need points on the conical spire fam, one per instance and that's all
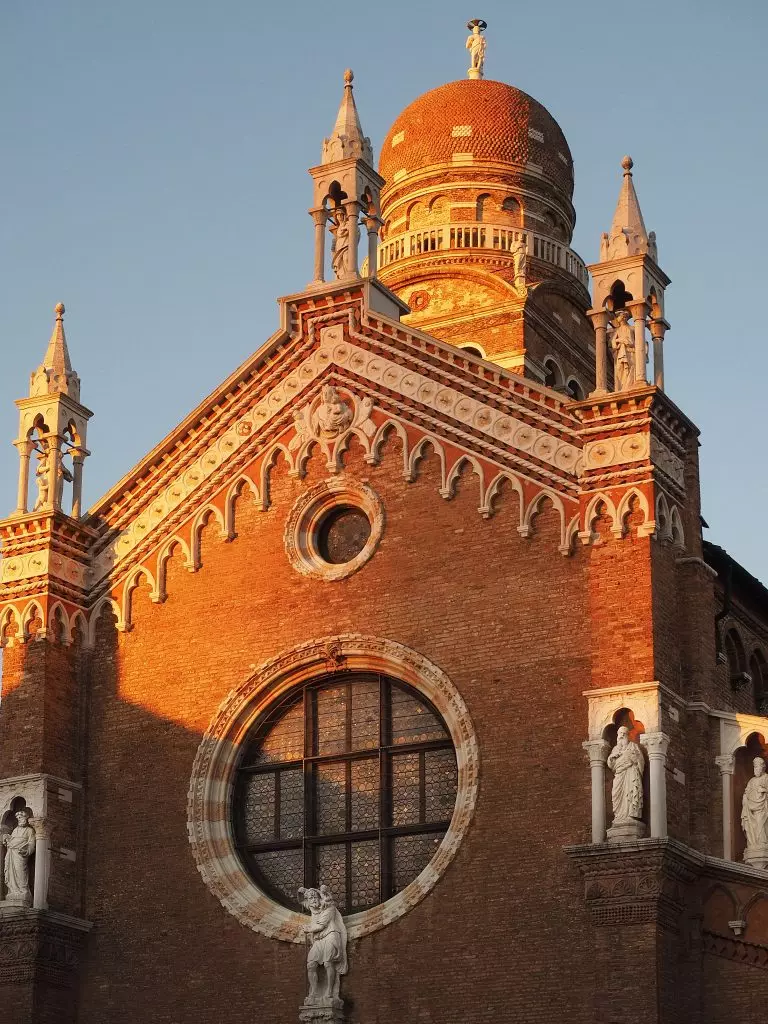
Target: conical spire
(55, 374)
(628, 236)
(347, 140)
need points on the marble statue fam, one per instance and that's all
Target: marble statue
(754, 807)
(604, 247)
(476, 46)
(341, 231)
(519, 260)
(653, 248)
(333, 414)
(42, 479)
(19, 847)
(328, 950)
(626, 762)
(623, 347)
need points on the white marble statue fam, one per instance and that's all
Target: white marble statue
(626, 762)
(19, 847)
(623, 347)
(519, 260)
(653, 248)
(333, 414)
(754, 807)
(341, 231)
(329, 945)
(43, 481)
(476, 46)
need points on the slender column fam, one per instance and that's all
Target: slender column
(3, 889)
(25, 451)
(599, 318)
(352, 207)
(726, 764)
(659, 327)
(639, 311)
(320, 217)
(656, 743)
(597, 751)
(78, 458)
(54, 460)
(42, 863)
(372, 223)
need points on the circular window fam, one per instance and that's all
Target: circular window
(333, 529)
(342, 534)
(349, 759)
(350, 783)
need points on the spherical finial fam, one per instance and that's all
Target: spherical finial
(627, 163)
(348, 77)
(59, 310)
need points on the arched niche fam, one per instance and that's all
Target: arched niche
(626, 717)
(743, 770)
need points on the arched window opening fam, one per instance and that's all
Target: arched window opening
(482, 207)
(350, 783)
(736, 660)
(553, 377)
(758, 669)
(574, 389)
(619, 297)
(473, 350)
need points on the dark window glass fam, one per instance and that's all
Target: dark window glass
(351, 783)
(343, 534)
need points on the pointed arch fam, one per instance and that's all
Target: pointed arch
(78, 623)
(267, 465)
(526, 527)
(588, 535)
(32, 611)
(663, 517)
(676, 527)
(569, 538)
(417, 454)
(64, 634)
(133, 581)
(236, 489)
(342, 443)
(448, 490)
(166, 554)
(10, 614)
(493, 490)
(645, 529)
(380, 437)
(200, 521)
(96, 611)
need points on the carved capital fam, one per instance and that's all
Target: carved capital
(657, 744)
(659, 327)
(41, 827)
(726, 763)
(599, 318)
(639, 309)
(597, 751)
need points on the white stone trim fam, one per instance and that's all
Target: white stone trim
(304, 518)
(643, 699)
(210, 790)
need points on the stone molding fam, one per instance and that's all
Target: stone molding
(643, 699)
(44, 562)
(616, 451)
(305, 517)
(210, 790)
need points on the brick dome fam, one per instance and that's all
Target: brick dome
(491, 120)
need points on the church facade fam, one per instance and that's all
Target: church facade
(397, 683)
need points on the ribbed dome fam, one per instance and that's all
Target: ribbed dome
(491, 120)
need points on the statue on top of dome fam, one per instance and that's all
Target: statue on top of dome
(476, 46)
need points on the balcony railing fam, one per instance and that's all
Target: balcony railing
(445, 237)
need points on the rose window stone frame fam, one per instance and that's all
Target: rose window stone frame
(209, 809)
(300, 536)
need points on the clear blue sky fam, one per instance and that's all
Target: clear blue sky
(153, 177)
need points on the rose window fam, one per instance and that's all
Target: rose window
(350, 782)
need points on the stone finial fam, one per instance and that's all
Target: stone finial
(347, 141)
(476, 46)
(55, 374)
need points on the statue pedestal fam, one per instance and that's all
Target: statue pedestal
(756, 857)
(626, 831)
(16, 900)
(322, 1010)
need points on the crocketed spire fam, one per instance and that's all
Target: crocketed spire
(347, 140)
(628, 236)
(55, 374)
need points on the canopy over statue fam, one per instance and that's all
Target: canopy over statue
(476, 46)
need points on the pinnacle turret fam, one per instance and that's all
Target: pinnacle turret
(628, 235)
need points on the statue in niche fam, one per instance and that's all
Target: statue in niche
(623, 347)
(43, 480)
(476, 45)
(19, 847)
(341, 229)
(519, 260)
(626, 762)
(754, 807)
(604, 247)
(328, 950)
(653, 249)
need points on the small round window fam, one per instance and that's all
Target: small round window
(352, 784)
(342, 534)
(333, 529)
